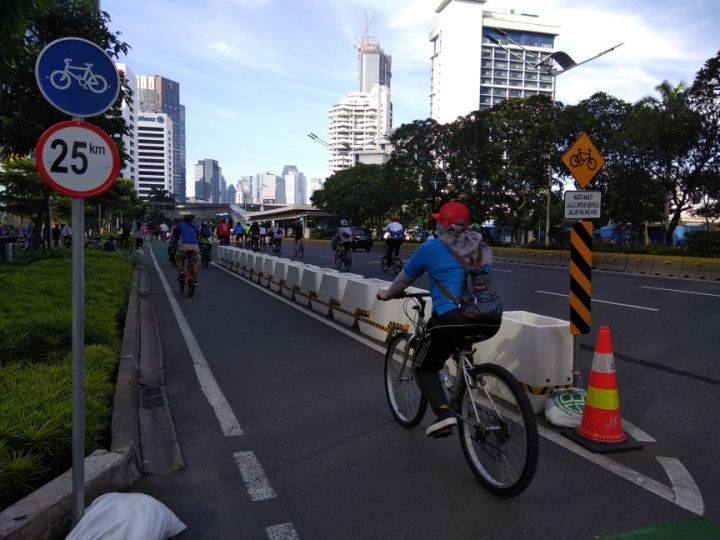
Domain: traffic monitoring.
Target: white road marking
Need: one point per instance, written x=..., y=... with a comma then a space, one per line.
x=682, y=292
x=284, y=531
x=681, y=495
x=224, y=413
x=257, y=483
x=687, y=494
x=684, y=492
x=603, y=301
x=636, y=433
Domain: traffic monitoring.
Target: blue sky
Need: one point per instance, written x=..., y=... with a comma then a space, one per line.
x=256, y=76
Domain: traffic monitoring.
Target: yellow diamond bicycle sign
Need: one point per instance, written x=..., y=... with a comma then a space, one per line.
x=583, y=160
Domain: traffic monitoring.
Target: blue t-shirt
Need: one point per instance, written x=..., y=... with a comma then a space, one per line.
x=188, y=232
x=435, y=258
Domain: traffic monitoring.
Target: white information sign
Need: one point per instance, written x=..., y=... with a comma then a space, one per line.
x=582, y=204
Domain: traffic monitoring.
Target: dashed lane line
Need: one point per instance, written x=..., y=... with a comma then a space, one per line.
x=209, y=386
x=681, y=291
x=258, y=485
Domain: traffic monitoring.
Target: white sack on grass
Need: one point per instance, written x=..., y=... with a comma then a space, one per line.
x=121, y=516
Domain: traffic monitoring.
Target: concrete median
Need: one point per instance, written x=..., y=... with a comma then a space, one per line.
x=537, y=349
x=615, y=262
x=310, y=284
x=388, y=317
x=279, y=275
x=667, y=266
x=639, y=264
x=332, y=288
x=701, y=268
x=293, y=278
x=358, y=298
x=268, y=271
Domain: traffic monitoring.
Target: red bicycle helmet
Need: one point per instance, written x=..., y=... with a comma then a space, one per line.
x=453, y=213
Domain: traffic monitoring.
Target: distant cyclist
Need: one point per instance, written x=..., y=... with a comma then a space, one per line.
x=343, y=235
x=394, y=231
x=223, y=233
x=187, y=233
x=298, y=232
x=276, y=236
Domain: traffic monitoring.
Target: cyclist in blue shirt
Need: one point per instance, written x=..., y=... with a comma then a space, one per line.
x=439, y=258
x=188, y=245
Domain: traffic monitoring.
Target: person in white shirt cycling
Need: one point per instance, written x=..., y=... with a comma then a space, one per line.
x=276, y=236
x=343, y=235
x=394, y=231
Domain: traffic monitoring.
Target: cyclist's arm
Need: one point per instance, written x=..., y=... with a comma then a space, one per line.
x=401, y=282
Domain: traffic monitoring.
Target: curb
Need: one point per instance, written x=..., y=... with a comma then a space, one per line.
x=47, y=513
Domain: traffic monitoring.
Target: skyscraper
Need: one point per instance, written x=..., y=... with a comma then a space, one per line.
x=482, y=57
x=361, y=119
x=207, y=180
x=158, y=94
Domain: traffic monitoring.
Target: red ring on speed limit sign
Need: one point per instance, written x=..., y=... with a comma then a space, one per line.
x=77, y=158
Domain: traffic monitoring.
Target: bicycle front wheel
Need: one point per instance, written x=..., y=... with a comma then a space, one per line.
x=498, y=431
x=403, y=394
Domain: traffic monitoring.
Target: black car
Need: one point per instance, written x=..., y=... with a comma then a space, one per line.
x=361, y=238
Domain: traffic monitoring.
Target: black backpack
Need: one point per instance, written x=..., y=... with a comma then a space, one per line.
x=479, y=300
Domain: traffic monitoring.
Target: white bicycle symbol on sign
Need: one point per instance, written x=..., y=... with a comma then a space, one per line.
x=62, y=78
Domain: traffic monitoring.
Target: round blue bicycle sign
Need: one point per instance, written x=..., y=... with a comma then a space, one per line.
x=77, y=77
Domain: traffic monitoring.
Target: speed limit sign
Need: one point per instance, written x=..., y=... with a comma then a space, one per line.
x=77, y=158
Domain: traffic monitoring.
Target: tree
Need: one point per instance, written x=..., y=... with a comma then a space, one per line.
x=25, y=194
x=526, y=130
x=358, y=194
x=24, y=113
x=675, y=148
x=418, y=167
x=705, y=99
x=473, y=158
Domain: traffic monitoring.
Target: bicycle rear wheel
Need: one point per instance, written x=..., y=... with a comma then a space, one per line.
x=191, y=287
x=338, y=259
x=498, y=431
x=348, y=260
x=397, y=265
x=384, y=266
x=404, y=397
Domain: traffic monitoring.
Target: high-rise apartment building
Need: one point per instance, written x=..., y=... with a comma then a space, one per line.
x=361, y=119
x=482, y=57
x=155, y=153
x=358, y=122
x=158, y=94
x=129, y=113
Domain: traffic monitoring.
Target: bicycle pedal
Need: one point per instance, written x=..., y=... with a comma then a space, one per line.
x=442, y=433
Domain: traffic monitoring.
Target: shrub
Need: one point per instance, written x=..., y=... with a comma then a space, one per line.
x=703, y=243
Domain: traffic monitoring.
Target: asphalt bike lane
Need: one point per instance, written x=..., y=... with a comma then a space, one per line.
x=305, y=446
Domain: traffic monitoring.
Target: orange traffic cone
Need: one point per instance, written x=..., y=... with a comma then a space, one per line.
x=601, y=425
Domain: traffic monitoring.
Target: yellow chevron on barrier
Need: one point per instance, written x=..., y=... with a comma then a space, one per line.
x=542, y=390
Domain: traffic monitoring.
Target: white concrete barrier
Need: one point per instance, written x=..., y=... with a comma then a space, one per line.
x=309, y=283
x=388, y=317
x=242, y=261
x=537, y=349
x=222, y=255
x=250, y=265
x=235, y=260
x=268, y=271
x=332, y=288
x=258, y=264
x=292, y=279
x=279, y=274
x=358, y=297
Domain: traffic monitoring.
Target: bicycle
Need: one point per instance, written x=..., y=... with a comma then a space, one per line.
x=583, y=157
x=205, y=255
x=343, y=257
x=185, y=277
x=497, y=427
x=397, y=264
x=275, y=245
x=62, y=78
x=298, y=248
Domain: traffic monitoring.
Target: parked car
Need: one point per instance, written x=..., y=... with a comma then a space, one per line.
x=361, y=238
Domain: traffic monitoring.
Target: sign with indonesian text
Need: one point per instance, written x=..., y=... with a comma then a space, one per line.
x=583, y=204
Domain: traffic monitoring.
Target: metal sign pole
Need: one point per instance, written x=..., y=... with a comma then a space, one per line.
x=78, y=357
